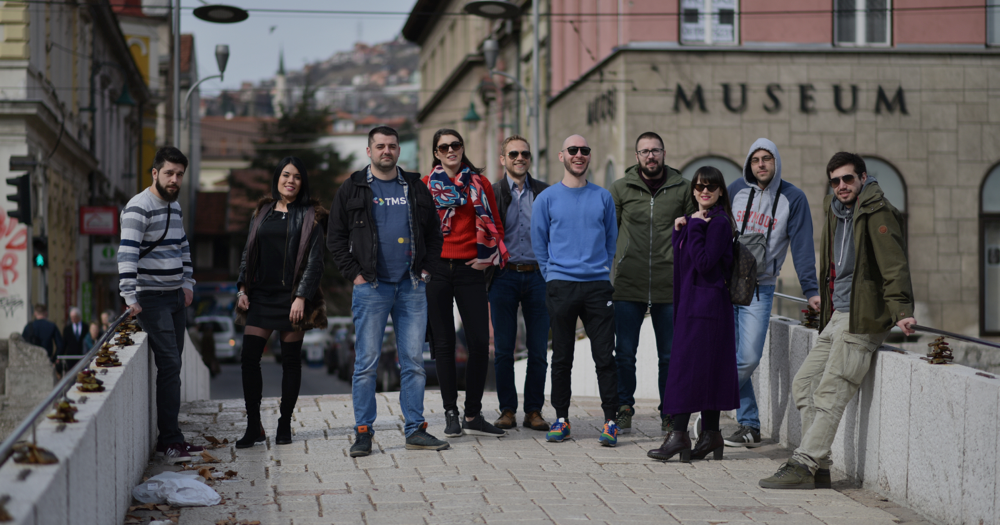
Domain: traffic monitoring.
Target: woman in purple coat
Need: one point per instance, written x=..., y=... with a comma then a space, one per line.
x=702, y=376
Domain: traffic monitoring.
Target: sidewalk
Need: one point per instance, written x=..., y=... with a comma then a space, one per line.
x=516, y=479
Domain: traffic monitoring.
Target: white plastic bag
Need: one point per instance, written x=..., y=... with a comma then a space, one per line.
x=179, y=489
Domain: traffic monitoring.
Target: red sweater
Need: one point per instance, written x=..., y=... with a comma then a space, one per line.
x=461, y=242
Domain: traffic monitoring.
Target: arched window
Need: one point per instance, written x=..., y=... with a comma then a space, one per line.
x=989, y=225
x=730, y=170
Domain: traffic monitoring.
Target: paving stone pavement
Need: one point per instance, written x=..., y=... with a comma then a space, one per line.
x=519, y=478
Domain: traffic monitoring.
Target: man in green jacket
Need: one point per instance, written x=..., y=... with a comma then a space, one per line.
x=868, y=290
x=647, y=200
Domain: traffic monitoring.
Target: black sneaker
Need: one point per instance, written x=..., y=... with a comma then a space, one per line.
x=452, y=428
x=362, y=441
x=624, y=419
x=177, y=453
x=161, y=449
x=744, y=437
x=822, y=478
x=421, y=440
x=479, y=427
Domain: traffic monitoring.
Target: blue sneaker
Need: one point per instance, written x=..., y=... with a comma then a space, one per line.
x=609, y=437
x=559, y=431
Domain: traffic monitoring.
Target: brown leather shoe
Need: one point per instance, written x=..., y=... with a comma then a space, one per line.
x=535, y=421
x=677, y=441
x=508, y=419
x=709, y=441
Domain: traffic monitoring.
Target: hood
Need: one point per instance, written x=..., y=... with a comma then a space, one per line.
x=673, y=176
x=748, y=175
x=841, y=211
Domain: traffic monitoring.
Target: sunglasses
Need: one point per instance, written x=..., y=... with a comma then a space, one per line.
x=572, y=150
x=848, y=179
x=443, y=148
x=702, y=187
x=512, y=154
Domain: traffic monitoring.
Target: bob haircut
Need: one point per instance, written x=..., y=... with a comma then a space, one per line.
x=303, y=197
x=465, y=160
x=711, y=175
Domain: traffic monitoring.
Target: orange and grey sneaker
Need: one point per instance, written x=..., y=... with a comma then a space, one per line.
x=362, y=441
x=559, y=431
x=609, y=436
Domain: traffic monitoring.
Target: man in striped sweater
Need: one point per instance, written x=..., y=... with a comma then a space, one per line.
x=154, y=271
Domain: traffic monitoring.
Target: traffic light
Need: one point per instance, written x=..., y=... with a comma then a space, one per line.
x=41, y=245
x=22, y=184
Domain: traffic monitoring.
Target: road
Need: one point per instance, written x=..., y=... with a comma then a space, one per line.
x=315, y=381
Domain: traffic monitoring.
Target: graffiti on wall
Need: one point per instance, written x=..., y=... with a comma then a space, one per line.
x=13, y=250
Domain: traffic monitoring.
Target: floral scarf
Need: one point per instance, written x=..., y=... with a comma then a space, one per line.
x=450, y=195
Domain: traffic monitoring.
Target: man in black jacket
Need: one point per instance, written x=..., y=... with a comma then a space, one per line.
x=384, y=233
x=74, y=333
x=44, y=333
x=519, y=282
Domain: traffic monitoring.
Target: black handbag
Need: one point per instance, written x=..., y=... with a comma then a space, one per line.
x=743, y=283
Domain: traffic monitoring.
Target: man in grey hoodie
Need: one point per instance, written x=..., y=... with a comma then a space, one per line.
x=764, y=203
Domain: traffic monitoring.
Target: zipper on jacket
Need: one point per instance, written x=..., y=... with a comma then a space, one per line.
x=284, y=259
x=652, y=199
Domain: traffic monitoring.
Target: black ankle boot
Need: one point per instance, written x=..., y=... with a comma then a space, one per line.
x=709, y=441
x=676, y=442
x=255, y=430
x=284, y=434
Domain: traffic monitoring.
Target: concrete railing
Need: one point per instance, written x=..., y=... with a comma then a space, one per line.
x=102, y=456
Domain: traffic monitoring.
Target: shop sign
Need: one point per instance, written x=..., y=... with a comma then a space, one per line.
x=98, y=220
x=104, y=258
x=692, y=99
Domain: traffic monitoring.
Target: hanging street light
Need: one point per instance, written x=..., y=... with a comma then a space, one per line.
x=221, y=14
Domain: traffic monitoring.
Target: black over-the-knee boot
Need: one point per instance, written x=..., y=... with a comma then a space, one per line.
x=291, y=379
x=253, y=386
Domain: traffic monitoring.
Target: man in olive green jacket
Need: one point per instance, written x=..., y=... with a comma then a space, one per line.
x=867, y=292
x=647, y=200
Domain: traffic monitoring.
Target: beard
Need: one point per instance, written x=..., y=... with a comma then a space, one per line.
x=650, y=174
x=385, y=164
x=166, y=195
x=568, y=164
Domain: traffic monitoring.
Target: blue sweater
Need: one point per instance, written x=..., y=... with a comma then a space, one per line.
x=573, y=233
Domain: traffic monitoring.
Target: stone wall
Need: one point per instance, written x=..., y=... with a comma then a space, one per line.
x=26, y=377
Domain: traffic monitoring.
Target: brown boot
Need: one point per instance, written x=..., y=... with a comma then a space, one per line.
x=508, y=419
x=709, y=441
x=535, y=421
x=677, y=441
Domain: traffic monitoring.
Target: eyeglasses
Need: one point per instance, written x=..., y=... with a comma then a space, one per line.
x=647, y=152
x=513, y=154
x=762, y=160
x=443, y=148
x=699, y=187
x=848, y=179
x=572, y=150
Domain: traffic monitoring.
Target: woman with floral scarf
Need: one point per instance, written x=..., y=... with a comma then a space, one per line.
x=473, y=241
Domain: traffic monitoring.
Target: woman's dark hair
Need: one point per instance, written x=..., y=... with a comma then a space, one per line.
x=303, y=197
x=711, y=175
x=465, y=160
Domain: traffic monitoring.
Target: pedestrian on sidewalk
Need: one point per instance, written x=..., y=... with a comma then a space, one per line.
x=863, y=238
x=573, y=234
x=154, y=270
x=473, y=242
x=520, y=282
x=702, y=375
x=777, y=214
x=44, y=333
x=648, y=200
x=384, y=236
x=279, y=289
x=93, y=334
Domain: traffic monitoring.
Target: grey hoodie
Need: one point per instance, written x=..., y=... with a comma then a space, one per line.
x=843, y=252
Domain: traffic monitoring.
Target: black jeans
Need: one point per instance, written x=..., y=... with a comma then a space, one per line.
x=452, y=280
x=162, y=318
x=591, y=302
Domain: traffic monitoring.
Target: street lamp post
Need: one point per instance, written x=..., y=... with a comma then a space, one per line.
x=504, y=9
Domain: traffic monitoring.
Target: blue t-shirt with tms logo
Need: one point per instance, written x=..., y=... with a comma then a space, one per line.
x=392, y=217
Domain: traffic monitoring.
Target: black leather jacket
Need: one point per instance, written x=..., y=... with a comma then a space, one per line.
x=308, y=268
x=352, y=235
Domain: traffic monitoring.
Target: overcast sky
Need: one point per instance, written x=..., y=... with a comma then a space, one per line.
x=254, y=46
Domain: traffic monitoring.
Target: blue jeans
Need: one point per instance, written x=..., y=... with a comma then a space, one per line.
x=509, y=289
x=163, y=319
x=371, y=305
x=751, y=330
x=628, y=322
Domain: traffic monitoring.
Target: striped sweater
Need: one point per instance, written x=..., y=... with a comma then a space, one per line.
x=168, y=267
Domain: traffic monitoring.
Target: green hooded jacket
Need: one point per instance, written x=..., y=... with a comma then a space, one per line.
x=881, y=293
x=644, y=256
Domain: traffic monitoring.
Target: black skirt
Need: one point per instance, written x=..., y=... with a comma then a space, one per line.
x=270, y=310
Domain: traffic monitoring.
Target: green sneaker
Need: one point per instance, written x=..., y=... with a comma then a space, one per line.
x=421, y=440
x=624, y=419
x=791, y=475
x=666, y=424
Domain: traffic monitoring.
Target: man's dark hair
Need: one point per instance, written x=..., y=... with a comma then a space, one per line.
x=41, y=309
x=169, y=154
x=843, y=158
x=648, y=135
x=381, y=130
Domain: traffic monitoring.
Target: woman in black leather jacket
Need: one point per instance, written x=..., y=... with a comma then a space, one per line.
x=279, y=290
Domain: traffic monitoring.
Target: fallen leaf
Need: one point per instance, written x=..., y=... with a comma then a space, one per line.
x=213, y=440
x=208, y=458
x=225, y=441
x=230, y=474
x=163, y=508
x=205, y=472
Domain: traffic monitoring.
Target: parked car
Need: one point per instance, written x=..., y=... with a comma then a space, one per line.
x=315, y=345
x=341, y=331
x=227, y=336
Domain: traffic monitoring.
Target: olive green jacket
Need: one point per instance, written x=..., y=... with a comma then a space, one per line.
x=644, y=256
x=881, y=293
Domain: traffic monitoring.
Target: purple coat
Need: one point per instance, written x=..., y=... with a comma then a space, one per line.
x=702, y=372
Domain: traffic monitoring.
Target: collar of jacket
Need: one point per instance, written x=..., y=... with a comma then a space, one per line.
x=632, y=177
x=505, y=183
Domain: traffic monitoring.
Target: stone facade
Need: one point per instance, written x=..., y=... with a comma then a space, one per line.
x=943, y=148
